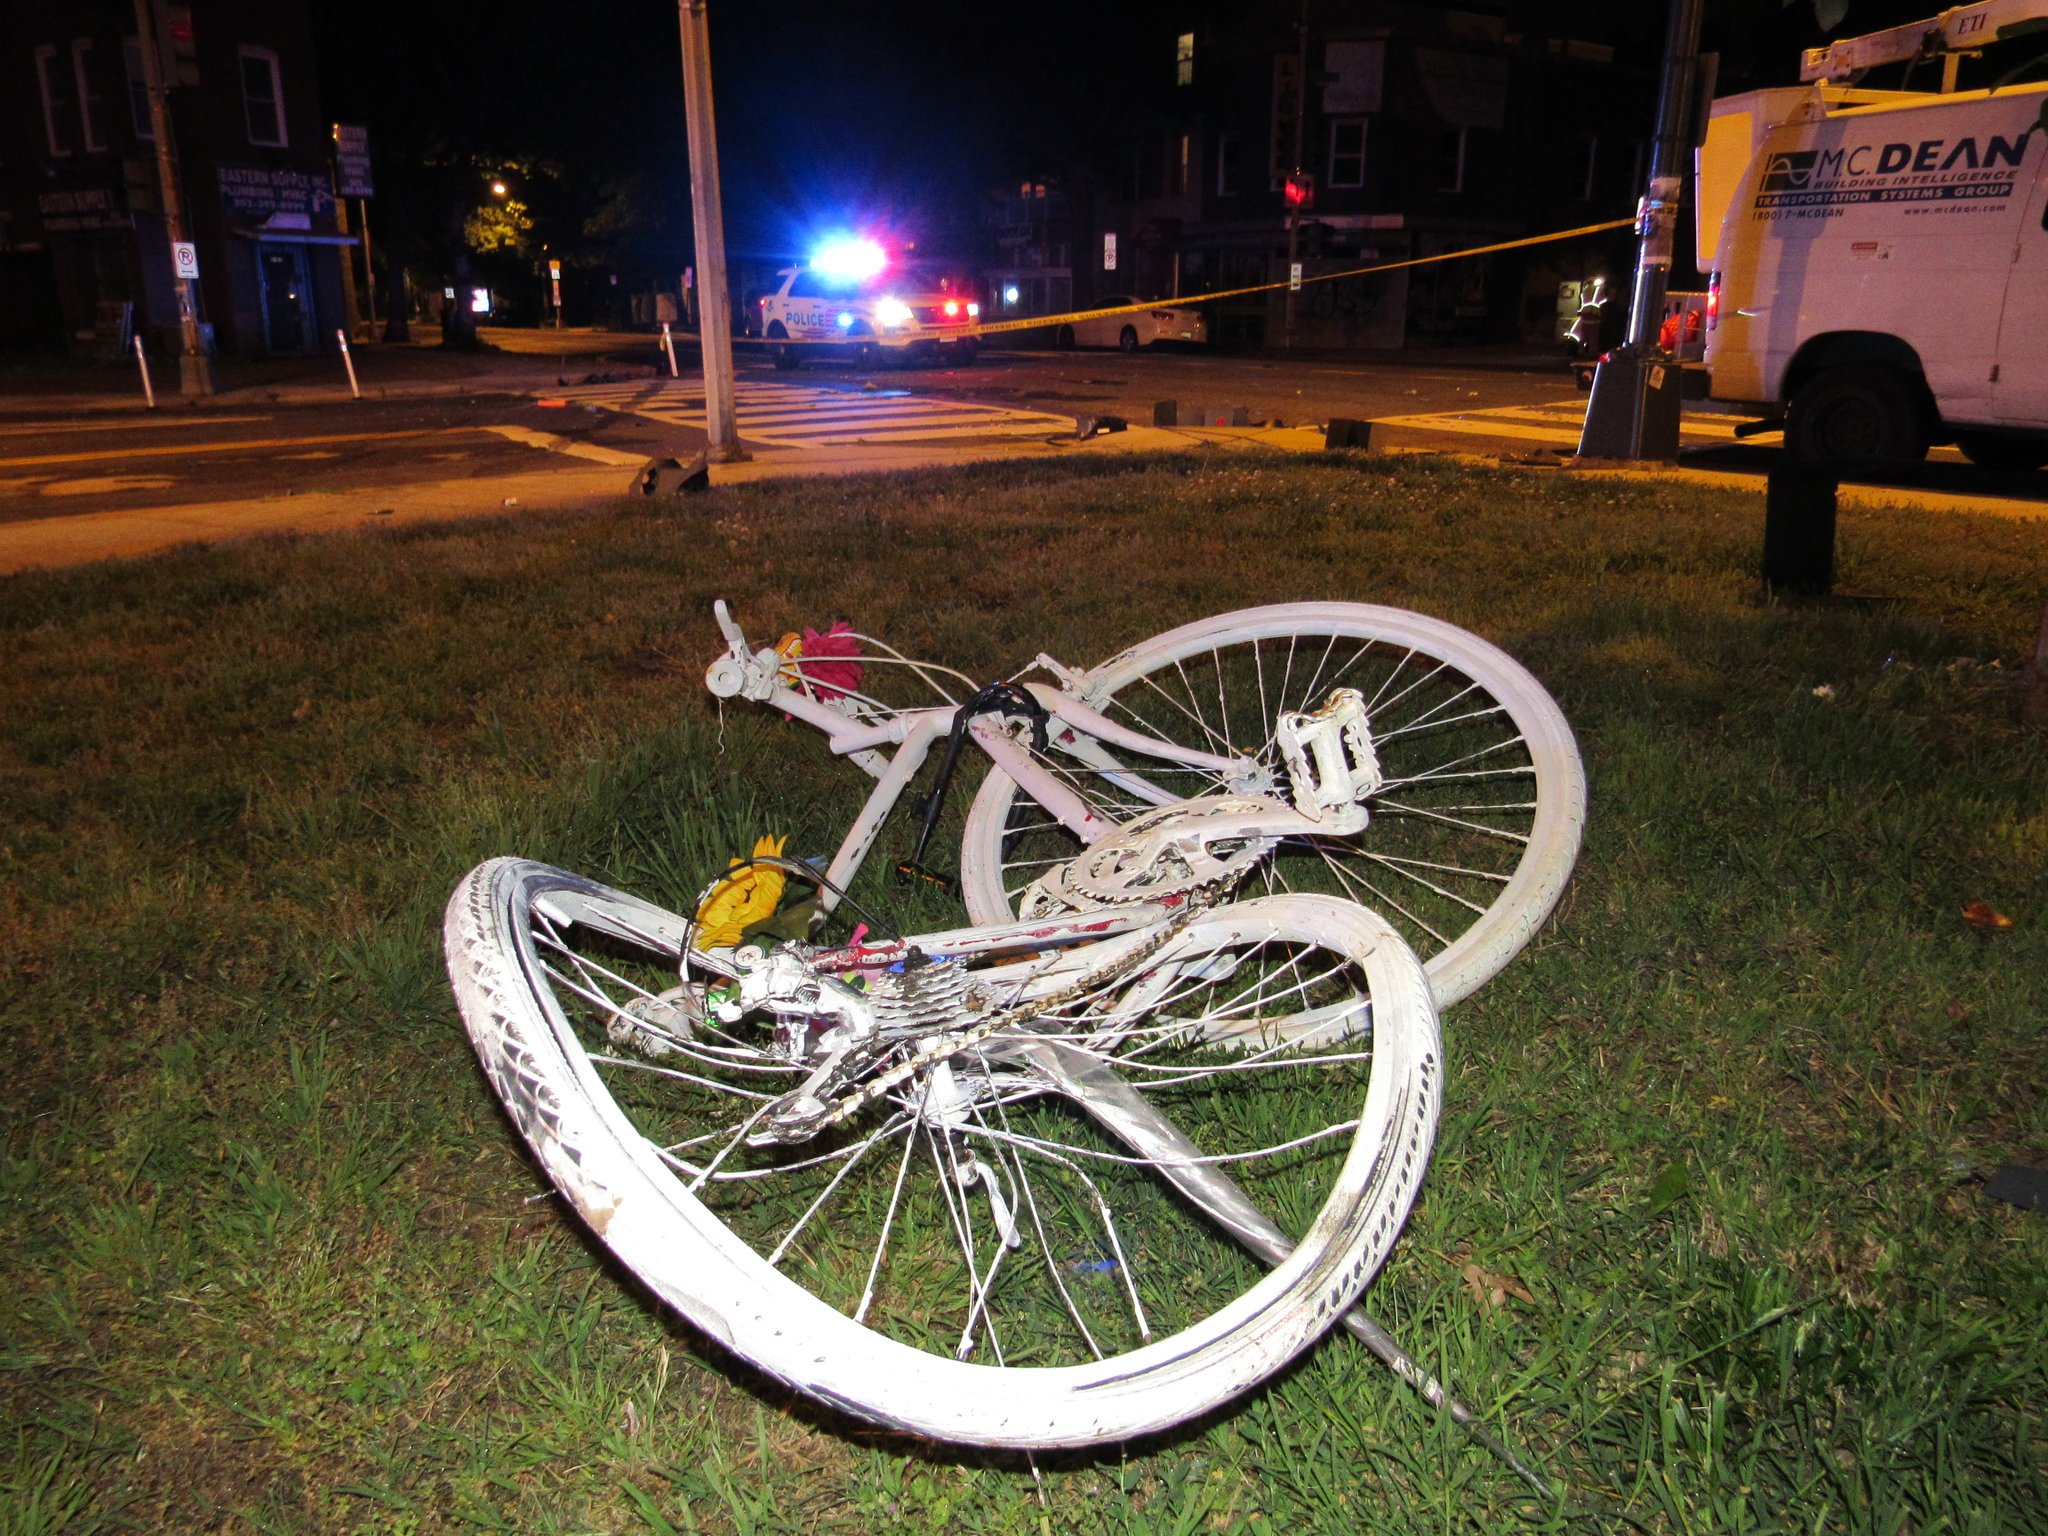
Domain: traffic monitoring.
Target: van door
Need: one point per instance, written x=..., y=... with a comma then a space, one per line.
x=2020, y=395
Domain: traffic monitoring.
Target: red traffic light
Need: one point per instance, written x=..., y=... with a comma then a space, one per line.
x=1301, y=192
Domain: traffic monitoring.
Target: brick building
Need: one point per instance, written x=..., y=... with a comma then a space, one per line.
x=84, y=258
x=1426, y=128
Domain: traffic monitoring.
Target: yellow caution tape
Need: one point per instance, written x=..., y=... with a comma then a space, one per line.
x=1040, y=322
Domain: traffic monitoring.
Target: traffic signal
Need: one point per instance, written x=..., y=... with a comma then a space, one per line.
x=1300, y=192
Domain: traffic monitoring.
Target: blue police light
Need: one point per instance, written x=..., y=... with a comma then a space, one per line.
x=845, y=320
x=849, y=258
x=1010, y=294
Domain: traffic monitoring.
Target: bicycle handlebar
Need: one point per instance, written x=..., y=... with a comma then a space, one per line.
x=727, y=626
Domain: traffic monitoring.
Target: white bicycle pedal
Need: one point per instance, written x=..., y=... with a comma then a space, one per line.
x=1330, y=760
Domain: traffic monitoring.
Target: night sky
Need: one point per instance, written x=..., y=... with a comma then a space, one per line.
x=899, y=115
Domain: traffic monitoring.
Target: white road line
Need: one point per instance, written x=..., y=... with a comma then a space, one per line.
x=1536, y=424
x=1020, y=431
x=802, y=415
x=122, y=423
x=554, y=444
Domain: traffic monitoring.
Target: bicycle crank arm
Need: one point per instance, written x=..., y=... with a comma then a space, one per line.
x=1125, y=1113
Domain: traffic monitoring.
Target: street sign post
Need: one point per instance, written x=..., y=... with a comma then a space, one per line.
x=195, y=369
x=1109, y=253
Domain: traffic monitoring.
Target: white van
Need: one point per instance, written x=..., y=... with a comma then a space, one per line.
x=1878, y=265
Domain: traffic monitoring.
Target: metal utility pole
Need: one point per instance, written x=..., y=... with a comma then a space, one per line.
x=1300, y=135
x=349, y=315
x=714, y=301
x=1616, y=413
x=195, y=369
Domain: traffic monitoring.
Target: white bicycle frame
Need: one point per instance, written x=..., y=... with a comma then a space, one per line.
x=1080, y=729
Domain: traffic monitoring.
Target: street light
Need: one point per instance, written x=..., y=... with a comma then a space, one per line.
x=499, y=189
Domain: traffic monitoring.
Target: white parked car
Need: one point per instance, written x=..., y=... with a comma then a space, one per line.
x=900, y=312
x=1158, y=322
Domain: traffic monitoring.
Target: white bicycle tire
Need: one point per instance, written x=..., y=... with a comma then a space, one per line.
x=679, y=1249
x=1526, y=898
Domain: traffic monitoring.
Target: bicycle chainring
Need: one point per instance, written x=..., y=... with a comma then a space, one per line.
x=1196, y=848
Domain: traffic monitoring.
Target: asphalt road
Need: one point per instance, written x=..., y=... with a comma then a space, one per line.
x=611, y=411
x=53, y=464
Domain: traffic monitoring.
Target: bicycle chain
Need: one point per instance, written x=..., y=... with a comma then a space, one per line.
x=951, y=1045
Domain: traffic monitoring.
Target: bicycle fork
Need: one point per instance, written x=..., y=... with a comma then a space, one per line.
x=1123, y=1112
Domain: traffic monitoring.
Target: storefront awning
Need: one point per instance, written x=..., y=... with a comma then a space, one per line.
x=292, y=237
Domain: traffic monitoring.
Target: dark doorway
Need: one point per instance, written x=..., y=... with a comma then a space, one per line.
x=287, y=298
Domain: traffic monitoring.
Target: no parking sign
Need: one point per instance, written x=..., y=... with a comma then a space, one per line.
x=184, y=258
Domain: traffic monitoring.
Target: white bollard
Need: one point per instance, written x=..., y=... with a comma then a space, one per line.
x=349, y=363
x=142, y=362
x=668, y=344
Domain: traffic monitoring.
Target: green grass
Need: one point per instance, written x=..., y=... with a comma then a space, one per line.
x=275, y=1262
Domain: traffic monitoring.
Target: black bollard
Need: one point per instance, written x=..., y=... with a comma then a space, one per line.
x=1799, y=530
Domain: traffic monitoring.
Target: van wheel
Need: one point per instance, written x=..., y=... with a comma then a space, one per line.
x=1855, y=413
x=1063, y=339
x=1995, y=450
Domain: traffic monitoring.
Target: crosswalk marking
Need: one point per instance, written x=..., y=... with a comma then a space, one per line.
x=808, y=416
x=1538, y=423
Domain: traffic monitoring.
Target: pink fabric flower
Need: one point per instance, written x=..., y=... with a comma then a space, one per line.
x=831, y=661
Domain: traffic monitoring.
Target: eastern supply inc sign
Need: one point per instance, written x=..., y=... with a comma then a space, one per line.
x=1813, y=182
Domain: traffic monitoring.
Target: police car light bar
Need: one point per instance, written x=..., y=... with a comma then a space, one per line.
x=849, y=258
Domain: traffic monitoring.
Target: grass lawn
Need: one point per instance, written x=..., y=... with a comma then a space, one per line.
x=1705, y=1234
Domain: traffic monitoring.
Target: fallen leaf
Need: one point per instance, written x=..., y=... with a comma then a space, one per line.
x=1981, y=914
x=1958, y=1012
x=305, y=708
x=1824, y=691
x=1492, y=1291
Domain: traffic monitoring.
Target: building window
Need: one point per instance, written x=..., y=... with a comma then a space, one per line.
x=262, y=97
x=138, y=91
x=57, y=86
x=1228, y=173
x=92, y=114
x=1450, y=161
x=1184, y=59
x=1347, y=152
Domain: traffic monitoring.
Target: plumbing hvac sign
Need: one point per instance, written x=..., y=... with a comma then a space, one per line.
x=1951, y=173
x=256, y=193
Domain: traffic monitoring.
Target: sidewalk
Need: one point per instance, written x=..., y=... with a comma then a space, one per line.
x=385, y=370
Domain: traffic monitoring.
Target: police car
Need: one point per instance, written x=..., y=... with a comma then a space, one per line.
x=897, y=314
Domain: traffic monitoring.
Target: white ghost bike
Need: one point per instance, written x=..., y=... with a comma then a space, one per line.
x=1078, y=1174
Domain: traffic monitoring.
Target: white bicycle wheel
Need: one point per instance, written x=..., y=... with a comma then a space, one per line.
x=979, y=1255
x=1473, y=833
